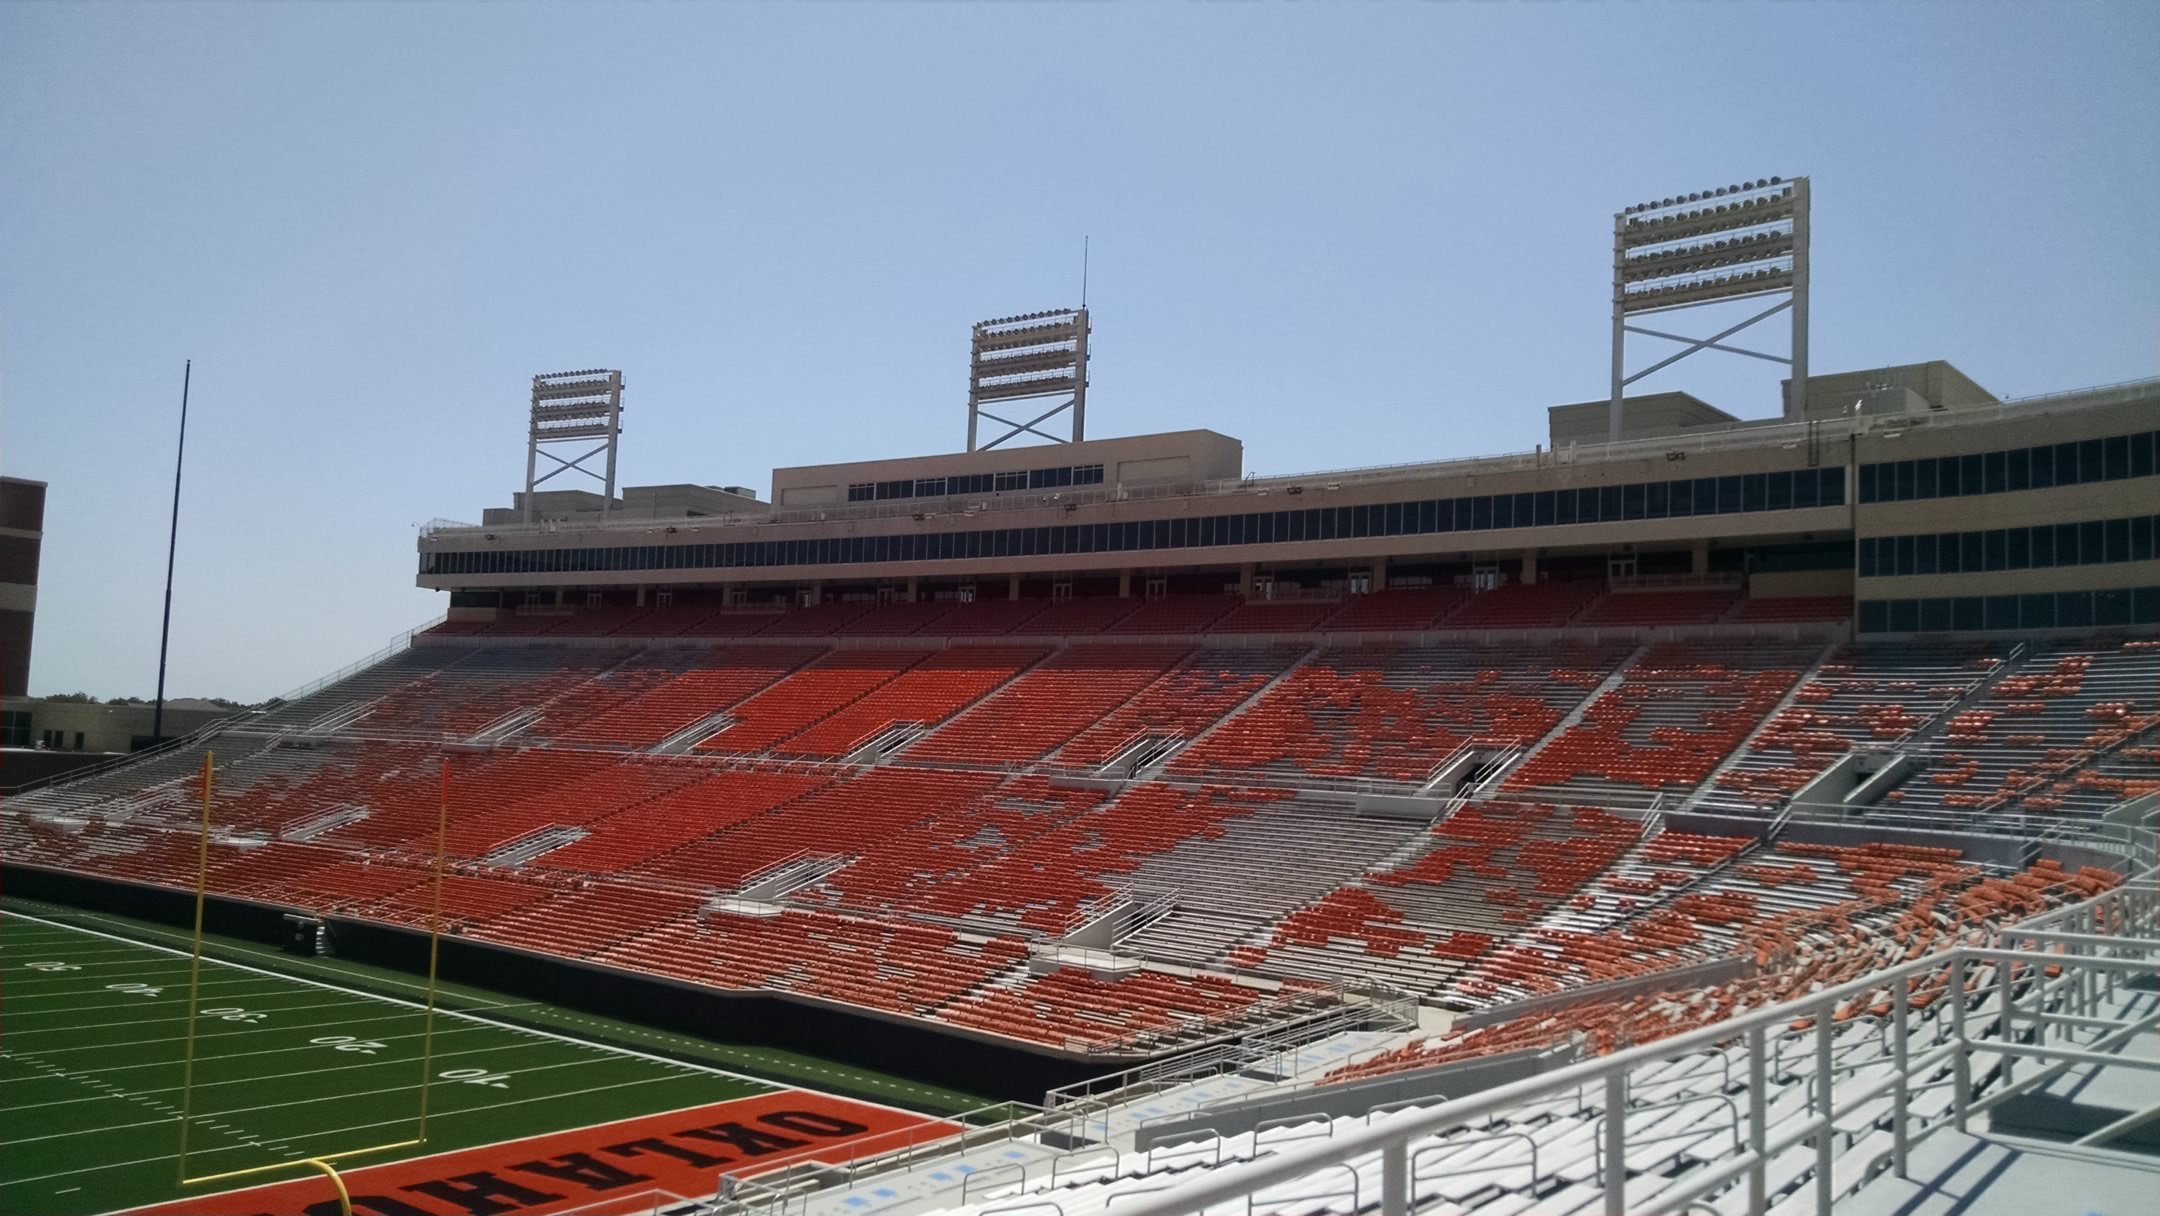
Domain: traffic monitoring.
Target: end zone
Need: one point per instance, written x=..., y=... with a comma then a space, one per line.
x=682, y=1152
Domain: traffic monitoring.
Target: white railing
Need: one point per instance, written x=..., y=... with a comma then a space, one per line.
x=399, y=643
x=2090, y=965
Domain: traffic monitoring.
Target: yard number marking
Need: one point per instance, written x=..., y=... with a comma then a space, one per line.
x=345, y=1042
x=53, y=967
x=134, y=989
x=477, y=1076
x=232, y=1013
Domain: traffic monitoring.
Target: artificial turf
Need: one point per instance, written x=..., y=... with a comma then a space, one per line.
x=298, y=1059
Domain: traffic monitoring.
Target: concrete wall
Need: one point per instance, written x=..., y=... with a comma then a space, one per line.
x=1936, y=382
x=109, y=728
x=1552, y=472
x=1170, y=457
x=1644, y=417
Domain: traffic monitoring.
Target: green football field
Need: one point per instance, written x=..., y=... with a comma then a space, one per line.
x=93, y=1072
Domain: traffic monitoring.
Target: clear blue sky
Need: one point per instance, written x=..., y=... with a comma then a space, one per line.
x=1348, y=234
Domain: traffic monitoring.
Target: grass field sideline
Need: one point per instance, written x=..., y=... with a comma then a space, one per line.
x=287, y=1066
x=767, y=1063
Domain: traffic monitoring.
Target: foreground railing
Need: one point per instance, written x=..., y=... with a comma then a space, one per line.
x=2048, y=987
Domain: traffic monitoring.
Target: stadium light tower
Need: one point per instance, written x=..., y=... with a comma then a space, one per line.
x=1708, y=247
x=1026, y=358
x=574, y=408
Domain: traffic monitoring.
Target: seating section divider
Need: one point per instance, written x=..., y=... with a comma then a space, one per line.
x=1297, y=840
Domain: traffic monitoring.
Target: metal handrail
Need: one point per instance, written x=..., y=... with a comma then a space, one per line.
x=1391, y=1137
x=105, y=766
x=398, y=644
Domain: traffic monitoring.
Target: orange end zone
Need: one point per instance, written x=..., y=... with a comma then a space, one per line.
x=683, y=1152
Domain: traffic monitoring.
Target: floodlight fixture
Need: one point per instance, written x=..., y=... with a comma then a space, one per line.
x=1027, y=357
x=1712, y=246
x=583, y=408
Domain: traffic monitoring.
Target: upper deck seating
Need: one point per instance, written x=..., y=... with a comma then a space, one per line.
x=1693, y=606
x=482, y=688
x=2029, y=742
x=1398, y=610
x=1525, y=606
x=900, y=620
x=1276, y=616
x=987, y=616
x=1678, y=711
x=704, y=683
x=926, y=694
x=1183, y=702
x=952, y=861
x=844, y=819
x=623, y=617
x=1077, y=617
x=1861, y=697
x=817, y=621
x=1398, y=712
x=739, y=622
x=342, y=698
x=1051, y=703
x=560, y=842
x=806, y=697
x=641, y=836
x=1175, y=614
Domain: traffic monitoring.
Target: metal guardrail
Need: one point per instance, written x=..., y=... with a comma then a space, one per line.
x=398, y=644
x=176, y=743
x=2085, y=965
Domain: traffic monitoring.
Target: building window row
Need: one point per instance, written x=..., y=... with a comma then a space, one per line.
x=1799, y=488
x=2036, y=468
x=977, y=483
x=2044, y=610
x=2043, y=546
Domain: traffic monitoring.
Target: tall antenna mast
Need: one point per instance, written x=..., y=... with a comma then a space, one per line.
x=1083, y=272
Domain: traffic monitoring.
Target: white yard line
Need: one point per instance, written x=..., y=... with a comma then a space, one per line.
x=14, y=1034
x=448, y=1013
x=438, y=1115
x=238, y=1055
x=280, y=956
x=248, y=1110
x=305, y=1072
x=145, y=1004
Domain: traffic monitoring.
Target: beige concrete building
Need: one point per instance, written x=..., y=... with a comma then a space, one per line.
x=1790, y=508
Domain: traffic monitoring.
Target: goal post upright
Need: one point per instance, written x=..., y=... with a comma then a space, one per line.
x=325, y=1162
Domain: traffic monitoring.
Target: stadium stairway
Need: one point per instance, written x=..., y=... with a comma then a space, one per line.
x=1857, y=698
x=1545, y=1154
